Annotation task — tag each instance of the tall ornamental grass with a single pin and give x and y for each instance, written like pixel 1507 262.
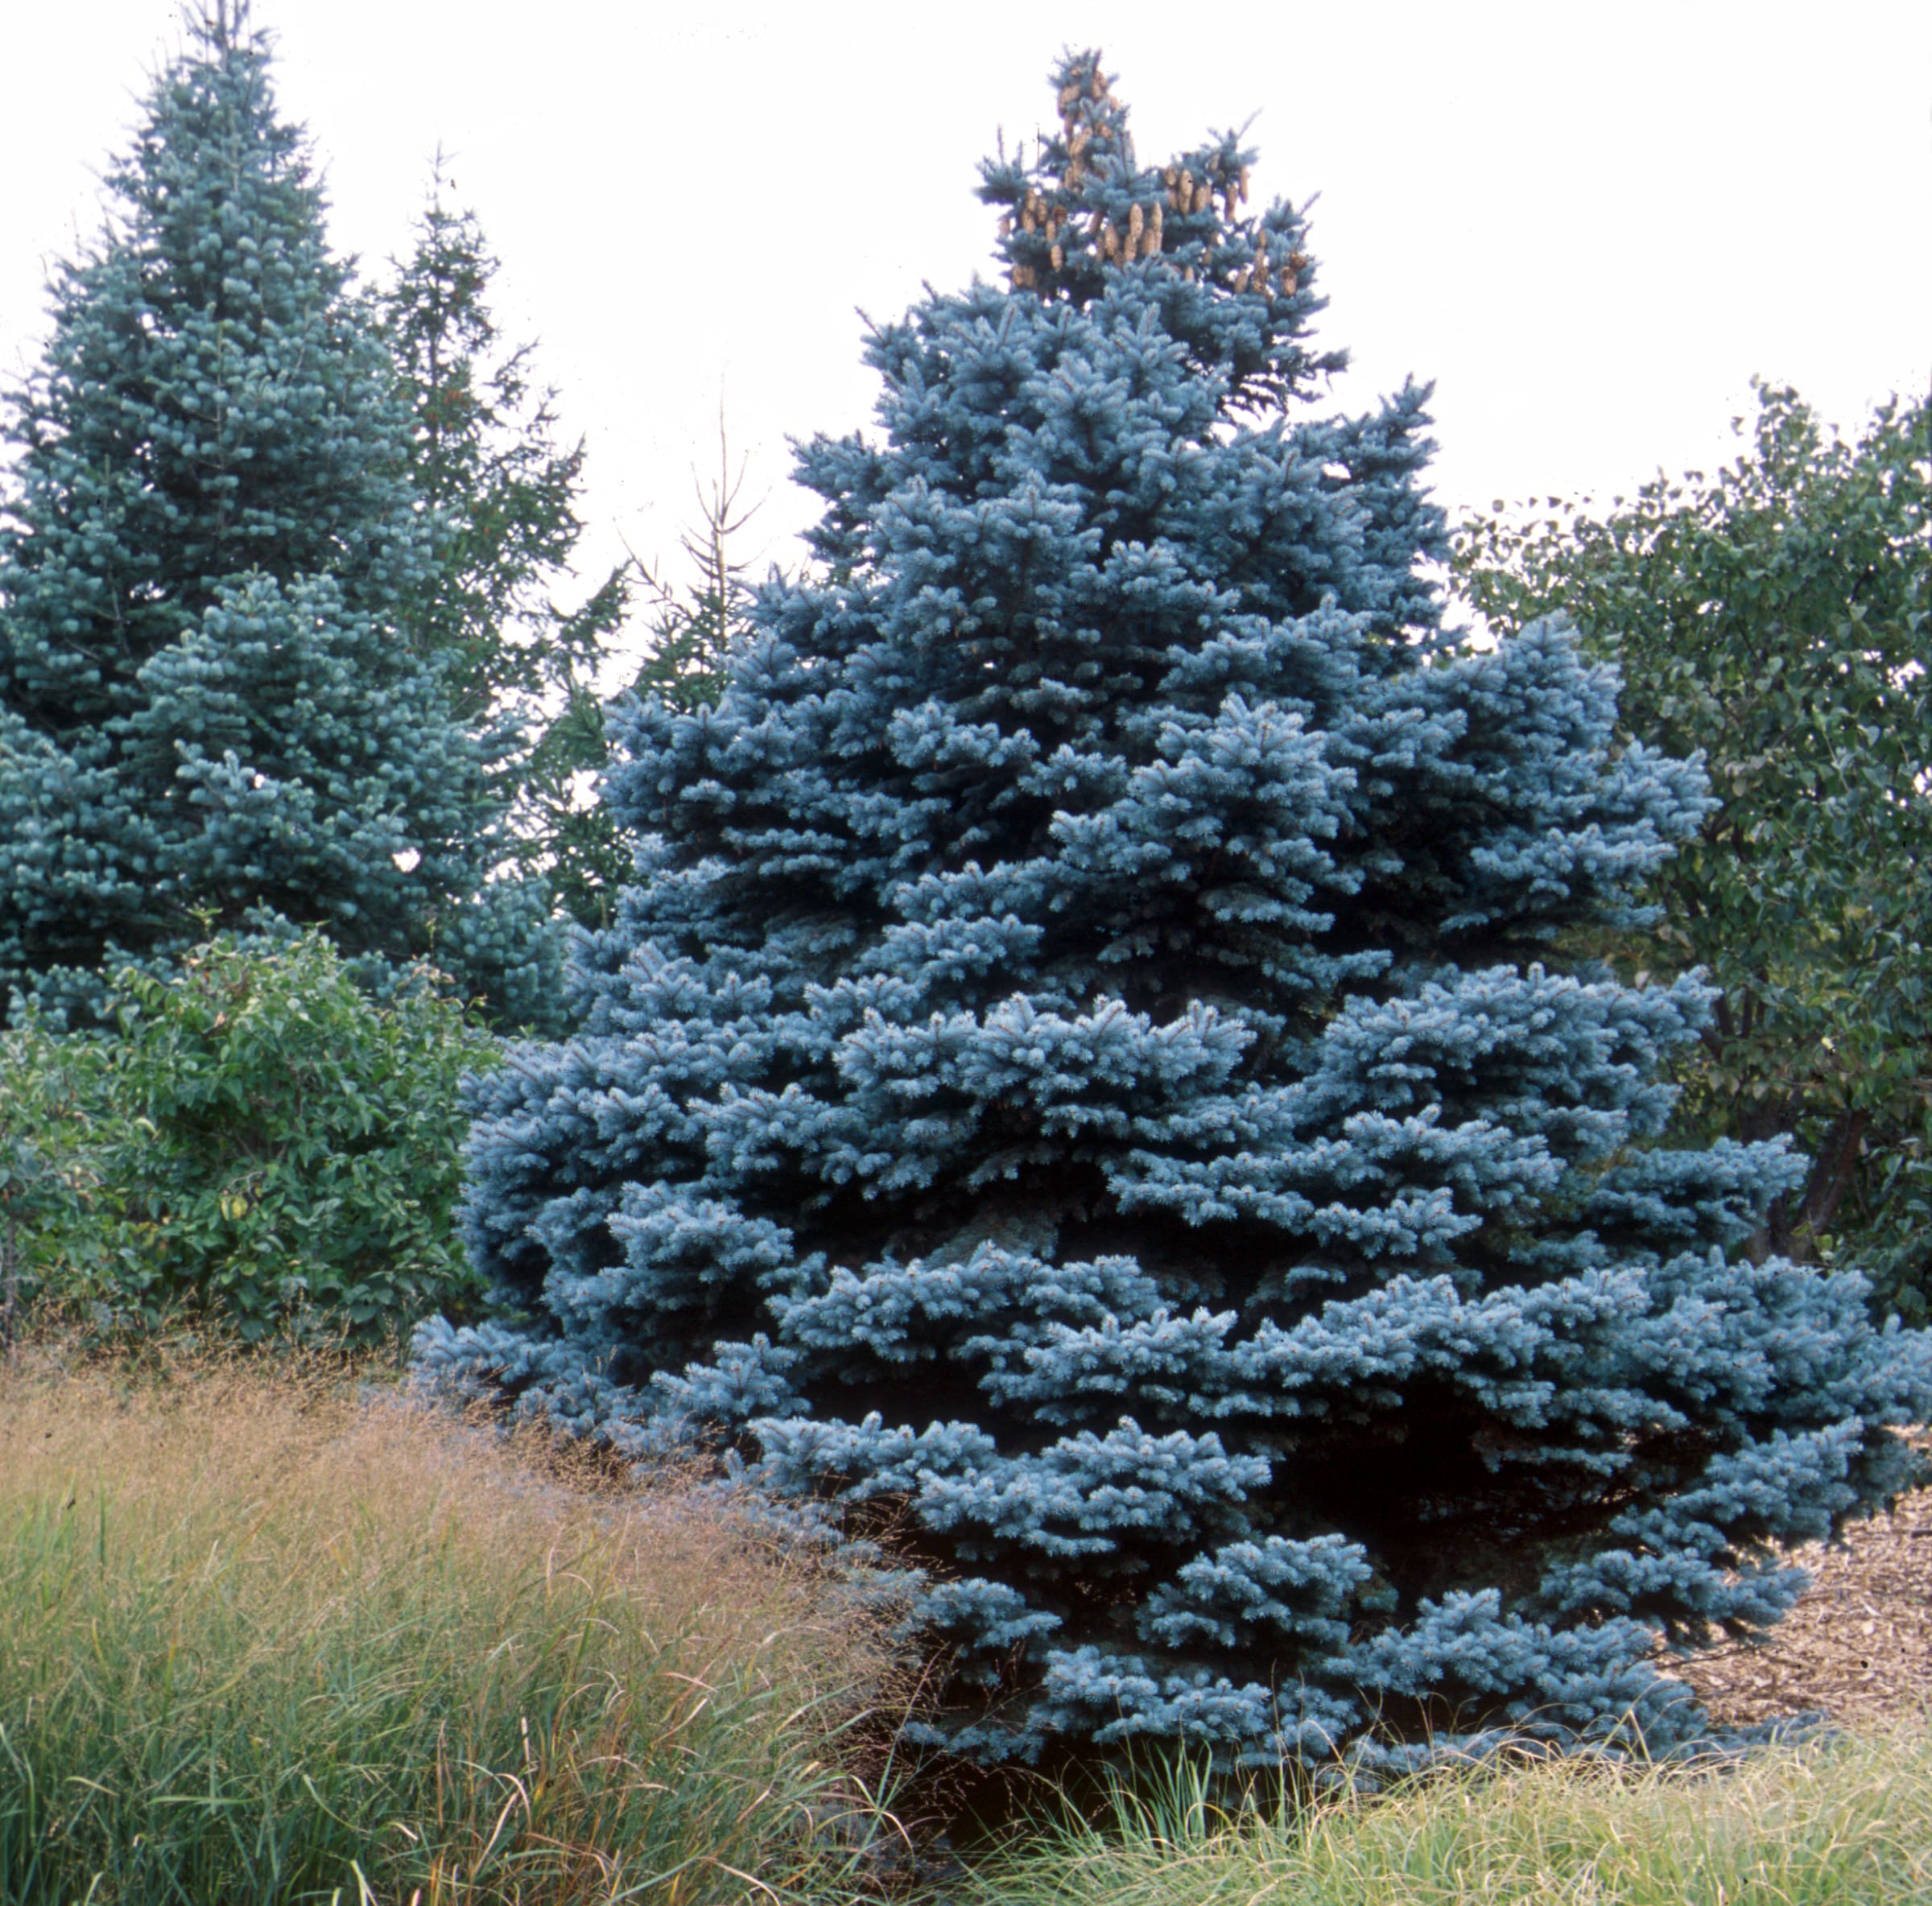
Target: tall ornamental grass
pixel 1843 1823
pixel 263 1641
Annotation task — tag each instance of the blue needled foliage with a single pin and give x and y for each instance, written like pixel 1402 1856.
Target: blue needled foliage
pixel 1087 1069
pixel 213 710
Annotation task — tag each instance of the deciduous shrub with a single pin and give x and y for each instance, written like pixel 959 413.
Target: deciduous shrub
pixel 256 1141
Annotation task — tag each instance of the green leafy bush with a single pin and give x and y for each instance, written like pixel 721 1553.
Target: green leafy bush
pixel 48 1245
pixel 257 1141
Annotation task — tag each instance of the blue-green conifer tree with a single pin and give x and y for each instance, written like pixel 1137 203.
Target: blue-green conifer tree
pixel 1085 1074
pixel 212 707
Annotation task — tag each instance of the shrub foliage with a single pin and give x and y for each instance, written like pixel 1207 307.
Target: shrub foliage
pixel 256 1142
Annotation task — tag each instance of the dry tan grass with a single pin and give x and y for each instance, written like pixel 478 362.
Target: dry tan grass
pixel 524 1677
pixel 312 1472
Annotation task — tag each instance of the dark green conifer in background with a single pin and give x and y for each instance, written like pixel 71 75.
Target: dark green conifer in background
pixel 503 492
pixel 213 704
pixel 692 631
pixel 502 488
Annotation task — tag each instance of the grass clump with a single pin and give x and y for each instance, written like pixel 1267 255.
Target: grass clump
pixel 262 1639
pixel 1846 1823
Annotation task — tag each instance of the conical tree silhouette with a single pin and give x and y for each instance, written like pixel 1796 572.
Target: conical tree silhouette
pixel 1079 1070
pixel 210 700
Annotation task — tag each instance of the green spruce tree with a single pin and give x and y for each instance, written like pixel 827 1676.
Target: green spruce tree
pixel 695 628
pixel 503 491
pixel 695 631
pixel 213 702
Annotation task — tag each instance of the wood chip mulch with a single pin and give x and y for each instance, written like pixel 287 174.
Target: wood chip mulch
pixel 1858 1646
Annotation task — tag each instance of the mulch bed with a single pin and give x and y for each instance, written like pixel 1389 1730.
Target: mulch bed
pixel 1858 1646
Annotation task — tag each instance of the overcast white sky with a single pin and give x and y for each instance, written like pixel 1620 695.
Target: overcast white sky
pixel 1591 224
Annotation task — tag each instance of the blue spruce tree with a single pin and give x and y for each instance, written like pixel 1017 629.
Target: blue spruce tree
pixel 211 702
pixel 1087 1069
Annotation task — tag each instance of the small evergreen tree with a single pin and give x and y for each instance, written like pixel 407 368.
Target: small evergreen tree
pixel 1082 1071
pixel 694 630
pixel 503 493
pixel 211 702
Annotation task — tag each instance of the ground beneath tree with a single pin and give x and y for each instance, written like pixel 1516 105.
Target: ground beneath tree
pixel 1858 1646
